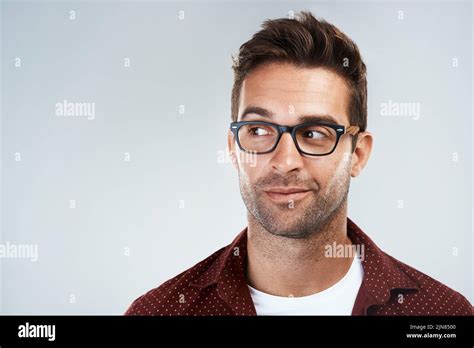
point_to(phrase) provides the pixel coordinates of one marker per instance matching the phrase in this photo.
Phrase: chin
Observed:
(288, 232)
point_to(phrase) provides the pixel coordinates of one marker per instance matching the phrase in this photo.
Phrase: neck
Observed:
(283, 266)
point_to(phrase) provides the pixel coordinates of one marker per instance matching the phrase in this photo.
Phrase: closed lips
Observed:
(284, 195)
(287, 190)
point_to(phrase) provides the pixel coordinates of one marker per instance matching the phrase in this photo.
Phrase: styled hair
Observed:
(308, 43)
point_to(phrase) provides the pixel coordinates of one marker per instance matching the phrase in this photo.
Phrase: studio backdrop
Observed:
(114, 120)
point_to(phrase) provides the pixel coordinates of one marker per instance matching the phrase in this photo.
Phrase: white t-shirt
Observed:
(338, 299)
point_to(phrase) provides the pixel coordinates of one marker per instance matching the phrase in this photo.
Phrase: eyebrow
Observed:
(262, 112)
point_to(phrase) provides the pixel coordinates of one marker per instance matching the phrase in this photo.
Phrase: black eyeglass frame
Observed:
(340, 131)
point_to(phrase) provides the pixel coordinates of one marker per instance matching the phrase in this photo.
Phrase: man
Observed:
(299, 107)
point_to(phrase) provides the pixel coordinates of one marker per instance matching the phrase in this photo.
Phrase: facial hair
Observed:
(300, 219)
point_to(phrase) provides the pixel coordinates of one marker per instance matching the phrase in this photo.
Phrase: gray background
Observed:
(138, 223)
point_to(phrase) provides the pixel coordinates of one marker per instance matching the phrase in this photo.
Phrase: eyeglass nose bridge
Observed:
(287, 129)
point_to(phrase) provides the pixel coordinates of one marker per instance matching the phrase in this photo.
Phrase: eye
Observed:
(259, 131)
(314, 134)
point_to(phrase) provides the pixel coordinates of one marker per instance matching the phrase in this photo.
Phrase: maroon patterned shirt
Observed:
(218, 286)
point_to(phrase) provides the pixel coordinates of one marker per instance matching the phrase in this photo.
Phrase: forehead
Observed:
(289, 93)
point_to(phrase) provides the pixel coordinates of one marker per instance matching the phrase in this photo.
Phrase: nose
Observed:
(286, 156)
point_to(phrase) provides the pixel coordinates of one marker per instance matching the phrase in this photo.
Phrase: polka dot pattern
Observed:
(217, 286)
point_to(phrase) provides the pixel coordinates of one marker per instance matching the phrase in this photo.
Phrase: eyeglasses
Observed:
(313, 139)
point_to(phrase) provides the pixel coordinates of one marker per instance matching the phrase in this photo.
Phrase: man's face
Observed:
(289, 93)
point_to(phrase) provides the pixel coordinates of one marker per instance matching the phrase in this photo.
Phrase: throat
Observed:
(296, 267)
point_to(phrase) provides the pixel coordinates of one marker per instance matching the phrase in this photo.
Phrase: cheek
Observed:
(344, 146)
(323, 169)
(251, 171)
(341, 157)
(340, 171)
(318, 169)
(252, 167)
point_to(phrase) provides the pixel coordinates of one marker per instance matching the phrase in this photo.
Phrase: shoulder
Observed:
(170, 297)
(432, 297)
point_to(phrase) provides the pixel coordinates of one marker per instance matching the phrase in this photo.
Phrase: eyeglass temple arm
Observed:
(352, 130)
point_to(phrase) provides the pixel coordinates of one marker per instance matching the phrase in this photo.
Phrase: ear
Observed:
(361, 153)
(231, 148)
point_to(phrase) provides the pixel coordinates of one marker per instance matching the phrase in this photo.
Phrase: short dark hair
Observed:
(305, 42)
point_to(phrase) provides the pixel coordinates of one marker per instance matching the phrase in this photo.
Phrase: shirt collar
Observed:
(382, 273)
(228, 272)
